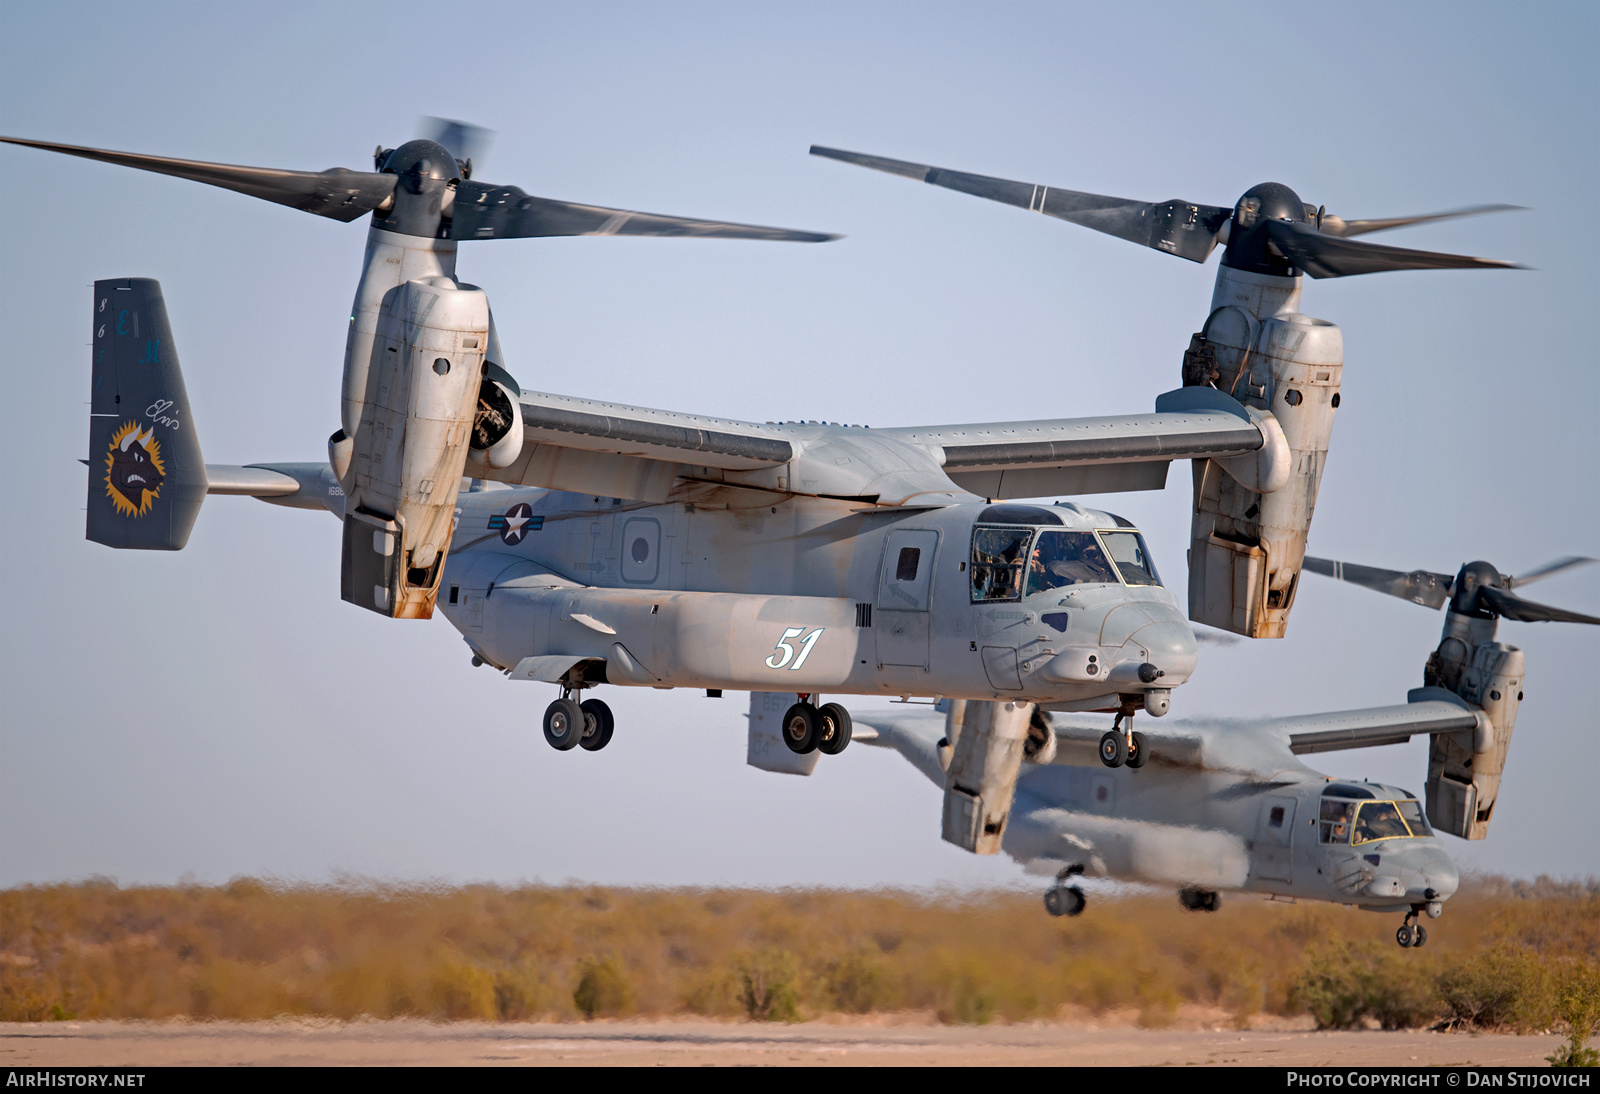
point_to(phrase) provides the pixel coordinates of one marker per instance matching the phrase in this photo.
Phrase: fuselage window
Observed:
(906, 566)
(1132, 558)
(1275, 818)
(998, 555)
(1067, 558)
(1378, 820)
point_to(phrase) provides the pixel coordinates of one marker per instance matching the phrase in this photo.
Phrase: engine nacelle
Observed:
(1464, 769)
(408, 452)
(1247, 542)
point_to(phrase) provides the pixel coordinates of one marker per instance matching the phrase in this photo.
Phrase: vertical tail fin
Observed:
(147, 478)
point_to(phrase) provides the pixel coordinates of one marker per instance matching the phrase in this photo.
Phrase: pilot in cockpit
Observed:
(1067, 558)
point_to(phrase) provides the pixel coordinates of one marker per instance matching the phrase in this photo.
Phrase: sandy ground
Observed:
(906, 1041)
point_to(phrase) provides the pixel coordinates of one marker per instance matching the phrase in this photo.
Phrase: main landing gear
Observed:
(1199, 900)
(1063, 899)
(569, 723)
(1124, 744)
(810, 728)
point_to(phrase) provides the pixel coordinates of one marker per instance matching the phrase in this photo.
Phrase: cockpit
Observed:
(1353, 814)
(1016, 553)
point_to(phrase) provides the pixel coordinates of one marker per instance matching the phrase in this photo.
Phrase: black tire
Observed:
(1075, 900)
(836, 729)
(1114, 749)
(1404, 936)
(1211, 902)
(801, 728)
(1055, 901)
(1139, 754)
(1419, 936)
(563, 724)
(597, 735)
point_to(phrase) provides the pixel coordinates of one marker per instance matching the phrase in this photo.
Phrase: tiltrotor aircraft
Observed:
(1228, 805)
(582, 543)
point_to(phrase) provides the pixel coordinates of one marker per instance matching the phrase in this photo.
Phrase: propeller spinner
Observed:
(1269, 230)
(1477, 589)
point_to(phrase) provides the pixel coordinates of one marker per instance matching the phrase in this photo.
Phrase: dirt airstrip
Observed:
(908, 1040)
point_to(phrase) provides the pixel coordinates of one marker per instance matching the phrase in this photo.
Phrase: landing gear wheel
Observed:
(836, 729)
(563, 724)
(598, 724)
(802, 727)
(1114, 749)
(1405, 936)
(1420, 934)
(1139, 753)
(1065, 900)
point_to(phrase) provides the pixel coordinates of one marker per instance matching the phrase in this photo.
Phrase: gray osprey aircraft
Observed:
(582, 543)
(1228, 805)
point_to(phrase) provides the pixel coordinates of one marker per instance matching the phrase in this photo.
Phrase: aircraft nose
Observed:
(1440, 874)
(1168, 644)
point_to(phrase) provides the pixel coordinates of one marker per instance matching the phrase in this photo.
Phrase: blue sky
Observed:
(220, 711)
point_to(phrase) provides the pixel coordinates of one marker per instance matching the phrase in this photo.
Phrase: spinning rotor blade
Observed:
(1511, 606)
(1338, 226)
(1322, 255)
(468, 143)
(336, 193)
(1176, 227)
(482, 211)
(1549, 569)
(1418, 586)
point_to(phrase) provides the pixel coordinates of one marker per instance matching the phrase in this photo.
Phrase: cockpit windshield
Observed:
(1012, 562)
(1364, 822)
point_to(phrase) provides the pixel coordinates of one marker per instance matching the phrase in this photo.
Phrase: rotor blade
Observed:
(1176, 227)
(1511, 606)
(1338, 226)
(1549, 569)
(1330, 256)
(335, 193)
(1418, 586)
(505, 212)
(464, 140)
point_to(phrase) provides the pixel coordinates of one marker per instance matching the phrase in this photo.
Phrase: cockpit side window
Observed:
(998, 558)
(1067, 558)
(1132, 557)
(1378, 820)
(1336, 817)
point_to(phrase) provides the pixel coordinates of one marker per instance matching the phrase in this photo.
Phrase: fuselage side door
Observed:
(1273, 861)
(905, 586)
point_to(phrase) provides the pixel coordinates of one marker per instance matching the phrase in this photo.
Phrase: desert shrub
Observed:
(1578, 1007)
(770, 985)
(858, 984)
(603, 989)
(1343, 985)
(1504, 987)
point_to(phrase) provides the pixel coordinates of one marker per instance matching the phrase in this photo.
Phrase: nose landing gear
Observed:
(1199, 900)
(1124, 744)
(1061, 899)
(1410, 937)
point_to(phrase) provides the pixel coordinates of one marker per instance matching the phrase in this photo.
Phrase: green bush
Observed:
(603, 989)
(1342, 986)
(770, 985)
(859, 985)
(1578, 1005)
(1504, 987)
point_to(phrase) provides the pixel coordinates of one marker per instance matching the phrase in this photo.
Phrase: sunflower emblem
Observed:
(134, 471)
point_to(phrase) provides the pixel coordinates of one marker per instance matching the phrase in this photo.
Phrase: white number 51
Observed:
(783, 652)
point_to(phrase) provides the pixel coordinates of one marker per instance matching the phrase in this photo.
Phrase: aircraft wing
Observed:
(1033, 459)
(1428, 711)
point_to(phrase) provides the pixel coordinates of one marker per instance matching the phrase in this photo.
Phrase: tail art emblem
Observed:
(515, 523)
(134, 471)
